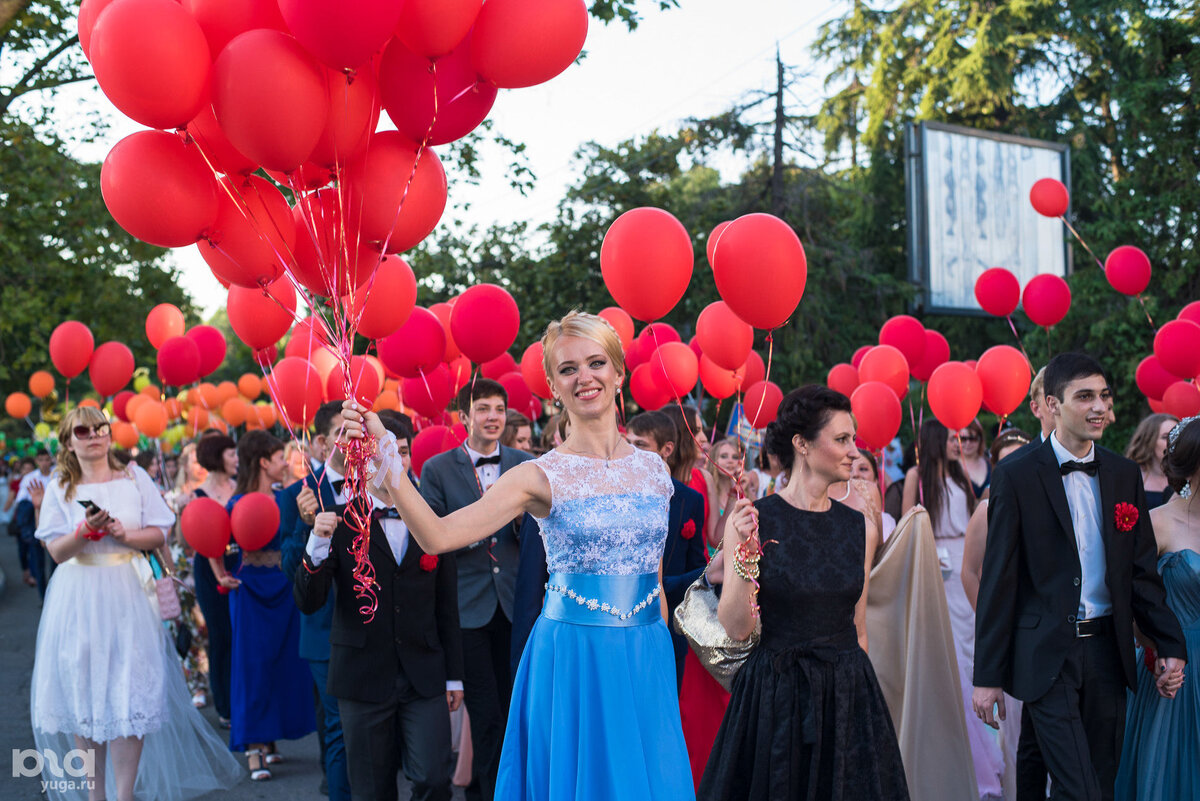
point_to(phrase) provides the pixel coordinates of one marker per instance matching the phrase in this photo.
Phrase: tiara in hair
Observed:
(1173, 436)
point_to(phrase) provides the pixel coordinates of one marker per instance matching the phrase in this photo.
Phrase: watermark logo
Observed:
(75, 770)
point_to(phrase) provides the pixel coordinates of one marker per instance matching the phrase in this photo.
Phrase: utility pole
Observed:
(780, 122)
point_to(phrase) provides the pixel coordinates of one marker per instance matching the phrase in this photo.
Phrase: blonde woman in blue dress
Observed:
(594, 711)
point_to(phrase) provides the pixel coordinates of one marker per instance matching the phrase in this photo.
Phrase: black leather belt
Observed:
(1093, 626)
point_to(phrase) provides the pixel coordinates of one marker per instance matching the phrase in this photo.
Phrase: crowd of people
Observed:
(514, 632)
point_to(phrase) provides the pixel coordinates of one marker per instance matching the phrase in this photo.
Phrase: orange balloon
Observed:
(266, 415)
(387, 399)
(193, 397)
(234, 411)
(324, 360)
(41, 384)
(91, 403)
(210, 395)
(135, 403)
(151, 419)
(174, 409)
(250, 385)
(124, 434)
(18, 405)
(198, 416)
(227, 390)
(219, 424)
(152, 392)
(392, 384)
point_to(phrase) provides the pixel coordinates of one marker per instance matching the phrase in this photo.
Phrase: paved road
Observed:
(298, 779)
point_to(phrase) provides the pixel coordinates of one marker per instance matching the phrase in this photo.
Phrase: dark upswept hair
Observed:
(399, 423)
(686, 451)
(804, 412)
(654, 424)
(933, 462)
(1006, 439)
(210, 452)
(253, 446)
(1142, 444)
(477, 389)
(1067, 367)
(1183, 456)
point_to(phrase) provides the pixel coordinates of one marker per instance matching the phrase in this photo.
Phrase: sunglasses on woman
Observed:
(90, 432)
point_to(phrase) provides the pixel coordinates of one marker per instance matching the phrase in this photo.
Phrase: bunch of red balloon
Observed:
(1169, 377)
(1046, 298)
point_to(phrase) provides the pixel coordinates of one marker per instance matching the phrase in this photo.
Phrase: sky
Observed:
(691, 61)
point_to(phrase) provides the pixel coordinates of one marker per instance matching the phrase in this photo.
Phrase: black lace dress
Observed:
(806, 719)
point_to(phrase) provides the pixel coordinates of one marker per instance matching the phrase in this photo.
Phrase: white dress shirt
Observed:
(1083, 498)
(488, 474)
(29, 478)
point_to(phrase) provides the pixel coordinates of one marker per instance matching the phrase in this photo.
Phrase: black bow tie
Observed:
(383, 514)
(337, 485)
(1090, 468)
(482, 460)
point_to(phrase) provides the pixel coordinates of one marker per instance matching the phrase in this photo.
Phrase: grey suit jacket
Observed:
(487, 569)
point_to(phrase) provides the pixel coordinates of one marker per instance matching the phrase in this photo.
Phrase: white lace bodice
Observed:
(606, 518)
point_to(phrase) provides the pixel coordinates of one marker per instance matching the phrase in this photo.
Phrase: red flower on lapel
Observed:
(689, 530)
(429, 562)
(1126, 516)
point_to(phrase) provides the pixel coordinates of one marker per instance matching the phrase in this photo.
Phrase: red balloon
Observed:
(1004, 377)
(441, 101)
(886, 364)
(761, 403)
(429, 442)
(110, 368)
(710, 245)
(224, 20)
(646, 391)
(259, 317)
(658, 334)
(1128, 270)
(696, 349)
(716, 380)
(159, 189)
(1046, 299)
(877, 412)
(205, 526)
(843, 378)
(417, 345)
(484, 322)
(646, 260)
(1190, 312)
(760, 269)
(675, 366)
(998, 291)
(442, 310)
(211, 344)
(937, 353)
(330, 259)
(178, 362)
(254, 521)
(857, 358)
(341, 33)
(498, 367)
(905, 334)
(534, 372)
(296, 389)
(364, 382)
(1177, 346)
(253, 236)
(392, 211)
(1152, 378)
(163, 322)
(519, 395)
(723, 336)
(460, 372)
(752, 371)
(353, 114)
(955, 395)
(89, 10)
(433, 28)
(429, 395)
(152, 61)
(383, 304)
(1049, 197)
(71, 346)
(638, 353)
(621, 322)
(270, 98)
(222, 156)
(1182, 399)
(307, 176)
(520, 43)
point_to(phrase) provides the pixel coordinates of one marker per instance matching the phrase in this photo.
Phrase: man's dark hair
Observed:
(658, 425)
(324, 417)
(145, 458)
(40, 450)
(398, 423)
(1067, 367)
(477, 389)
(210, 451)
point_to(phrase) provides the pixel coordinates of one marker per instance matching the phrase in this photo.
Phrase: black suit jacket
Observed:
(1030, 587)
(415, 628)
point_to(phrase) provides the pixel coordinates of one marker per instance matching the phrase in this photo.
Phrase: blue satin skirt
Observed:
(595, 714)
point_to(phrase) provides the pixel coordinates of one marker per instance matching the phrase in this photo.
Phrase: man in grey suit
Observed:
(487, 572)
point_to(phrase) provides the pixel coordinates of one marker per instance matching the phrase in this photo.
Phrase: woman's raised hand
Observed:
(744, 519)
(359, 421)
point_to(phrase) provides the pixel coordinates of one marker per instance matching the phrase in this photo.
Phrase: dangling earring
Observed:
(1186, 491)
(557, 403)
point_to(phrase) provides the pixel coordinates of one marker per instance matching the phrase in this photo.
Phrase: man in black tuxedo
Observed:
(487, 571)
(394, 675)
(1069, 568)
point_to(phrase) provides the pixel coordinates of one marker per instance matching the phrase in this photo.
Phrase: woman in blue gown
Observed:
(1160, 759)
(594, 710)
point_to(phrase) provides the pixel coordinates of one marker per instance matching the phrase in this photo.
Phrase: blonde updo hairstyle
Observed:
(69, 471)
(586, 326)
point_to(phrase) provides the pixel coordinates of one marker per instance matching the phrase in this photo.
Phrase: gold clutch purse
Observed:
(696, 619)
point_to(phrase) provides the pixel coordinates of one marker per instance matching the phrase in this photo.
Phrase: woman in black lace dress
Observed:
(806, 719)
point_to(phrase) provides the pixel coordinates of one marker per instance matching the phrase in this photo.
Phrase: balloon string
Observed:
(1020, 344)
(1146, 311)
(416, 161)
(716, 413)
(1075, 233)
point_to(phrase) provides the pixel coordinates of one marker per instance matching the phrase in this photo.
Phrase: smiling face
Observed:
(970, 442)
(727, 456)
(584, 378)
(485, 423)
(1081, 414)
(831, 455)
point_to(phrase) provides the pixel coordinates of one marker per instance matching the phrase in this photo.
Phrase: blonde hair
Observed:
(1037, 387)
(69, 471)
(586, 326)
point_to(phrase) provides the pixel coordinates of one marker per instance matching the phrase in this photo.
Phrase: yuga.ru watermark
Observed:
(76, 770)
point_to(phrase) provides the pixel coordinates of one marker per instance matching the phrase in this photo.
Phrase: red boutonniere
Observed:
(429, 562)
(1126, 516)
(689, 530)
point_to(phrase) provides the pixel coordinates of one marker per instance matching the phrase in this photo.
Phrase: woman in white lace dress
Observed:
(106, 680)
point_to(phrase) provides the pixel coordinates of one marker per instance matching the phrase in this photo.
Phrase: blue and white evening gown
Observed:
(595, 715)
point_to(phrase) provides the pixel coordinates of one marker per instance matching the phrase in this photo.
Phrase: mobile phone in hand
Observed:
(90, 507)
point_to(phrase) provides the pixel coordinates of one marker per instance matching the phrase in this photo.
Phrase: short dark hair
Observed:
(1067, 367)
(656, 424)
(804, 411)
(398, 423)
(210, 451)
(1183, 455)
(145, 458)
(253, 446)
(477, 389)
(324, 417)
(122, 456)
(40, 450)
